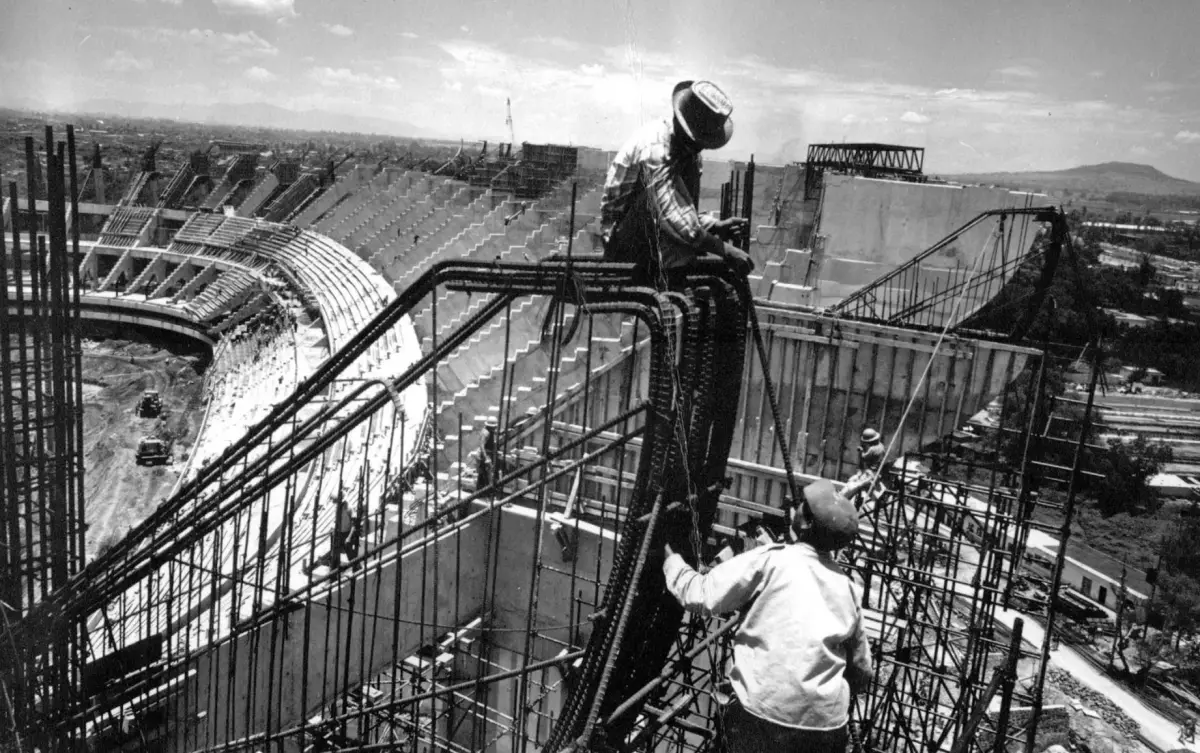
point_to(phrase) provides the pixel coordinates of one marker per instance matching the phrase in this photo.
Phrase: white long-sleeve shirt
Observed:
(801, 645)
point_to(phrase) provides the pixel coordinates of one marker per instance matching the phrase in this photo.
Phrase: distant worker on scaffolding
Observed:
(871, 454)
(649, 211)
(800, 650)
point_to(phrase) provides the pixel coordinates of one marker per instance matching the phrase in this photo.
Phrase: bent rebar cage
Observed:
(325, 573)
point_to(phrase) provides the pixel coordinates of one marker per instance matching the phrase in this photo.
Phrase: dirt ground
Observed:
(119, 493)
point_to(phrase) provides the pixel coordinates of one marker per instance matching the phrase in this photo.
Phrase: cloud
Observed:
(259, 74)
(1018, 71)
(558, 42)
(409, 35)
(475, 56)
(176, 3)
(1162, 87)
(344, 78)
(231, 45)
(599, 95)
(1096, 73)
(122, 62)
(464, 28)
(338, 30)
(1188, 137)
(257, 7)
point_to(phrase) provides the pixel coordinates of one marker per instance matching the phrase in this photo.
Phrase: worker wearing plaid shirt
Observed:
(648, 214)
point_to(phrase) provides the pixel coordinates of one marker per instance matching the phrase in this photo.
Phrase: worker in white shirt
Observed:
(800, 650)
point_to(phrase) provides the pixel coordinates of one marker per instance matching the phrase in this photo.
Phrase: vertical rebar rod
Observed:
(24, 327)
(748, 204)
(559, 310)
(1007, 685)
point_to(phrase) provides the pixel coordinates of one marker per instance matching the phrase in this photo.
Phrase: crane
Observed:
(512, 140)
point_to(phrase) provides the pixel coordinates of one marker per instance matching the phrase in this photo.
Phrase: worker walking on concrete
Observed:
(800, 650)
(649, 211)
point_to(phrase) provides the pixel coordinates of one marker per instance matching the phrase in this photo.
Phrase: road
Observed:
(1157, 729)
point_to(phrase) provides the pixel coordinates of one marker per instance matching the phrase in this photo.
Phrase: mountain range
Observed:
(1105, 178)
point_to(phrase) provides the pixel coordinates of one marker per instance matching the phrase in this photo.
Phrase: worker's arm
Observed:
(675, 210)
(858, 651)
(857, 484)
(728, 586)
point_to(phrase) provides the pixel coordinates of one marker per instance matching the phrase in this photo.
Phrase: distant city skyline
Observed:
(996, 87)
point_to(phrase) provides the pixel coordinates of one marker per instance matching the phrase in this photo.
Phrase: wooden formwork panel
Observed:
(833, 378)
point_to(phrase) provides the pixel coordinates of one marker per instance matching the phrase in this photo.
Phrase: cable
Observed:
(929, 365)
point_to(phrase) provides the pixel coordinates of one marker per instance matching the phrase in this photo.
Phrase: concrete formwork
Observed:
(833, 378)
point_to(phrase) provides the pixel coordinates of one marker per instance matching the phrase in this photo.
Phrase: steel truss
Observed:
(868, 160)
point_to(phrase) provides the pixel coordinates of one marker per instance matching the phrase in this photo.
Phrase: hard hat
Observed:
(833, 520)
(870, 436)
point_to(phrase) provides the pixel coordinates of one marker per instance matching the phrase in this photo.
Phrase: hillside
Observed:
(1105, 178)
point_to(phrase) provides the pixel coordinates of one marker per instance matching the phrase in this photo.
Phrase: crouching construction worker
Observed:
(800, 650)
(871, 454)
(648, 215)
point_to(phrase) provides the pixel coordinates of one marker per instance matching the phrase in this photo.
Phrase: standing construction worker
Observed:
(800, 650)
(649, 211)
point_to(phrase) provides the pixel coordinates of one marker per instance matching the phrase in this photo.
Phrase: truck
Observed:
(150, 406)
(153, 451)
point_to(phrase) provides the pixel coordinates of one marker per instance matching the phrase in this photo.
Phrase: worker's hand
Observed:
(739, 260)
(668, 550)
(731, 230)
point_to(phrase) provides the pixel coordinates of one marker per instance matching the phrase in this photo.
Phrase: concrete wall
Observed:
(594, 159)
(566, 591)
(557, 588)
(889, 222)
(872, 226)
(334, 643)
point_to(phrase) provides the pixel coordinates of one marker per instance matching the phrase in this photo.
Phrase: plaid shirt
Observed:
(649, 185)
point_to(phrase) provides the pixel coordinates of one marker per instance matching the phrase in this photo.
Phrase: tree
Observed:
(1145, 273)
(1171, 300)
(1179, 551)
(1126, 468)
(1178, 597)
(1149, 645)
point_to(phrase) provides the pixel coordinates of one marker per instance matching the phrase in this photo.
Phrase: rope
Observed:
(929, 365)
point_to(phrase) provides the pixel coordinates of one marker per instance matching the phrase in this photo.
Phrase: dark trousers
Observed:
(743, 732)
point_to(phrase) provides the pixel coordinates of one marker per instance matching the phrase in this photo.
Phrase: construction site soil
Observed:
(119, 493)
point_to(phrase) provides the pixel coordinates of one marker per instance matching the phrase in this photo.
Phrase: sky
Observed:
(982, 86)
